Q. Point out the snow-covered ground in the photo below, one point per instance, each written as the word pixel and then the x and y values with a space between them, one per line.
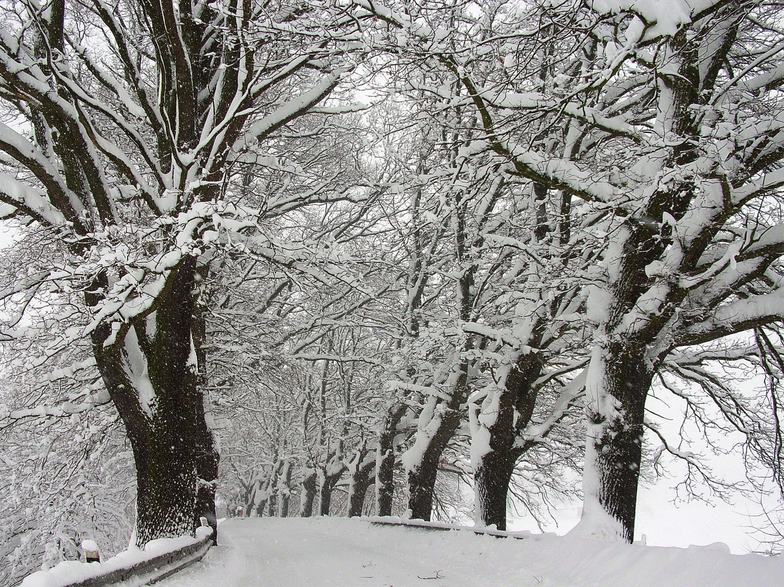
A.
pixel 292 552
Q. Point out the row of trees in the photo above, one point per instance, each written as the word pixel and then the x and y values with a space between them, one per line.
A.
pixel 370 242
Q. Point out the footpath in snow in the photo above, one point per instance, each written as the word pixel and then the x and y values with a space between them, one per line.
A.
pixel 313 552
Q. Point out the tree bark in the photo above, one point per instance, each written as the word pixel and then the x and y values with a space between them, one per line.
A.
pixel 250 497
pixel 207 456
pixel 285 490
pixel 422 476
pixel 325 493
pixel 385 460
pixel 309 494
pixel 150 371
pixel 207 470
pixel 357 489
pixel 614 443
pixel 491 481
pixel 325 499
pixel 260 507
pixel 511 412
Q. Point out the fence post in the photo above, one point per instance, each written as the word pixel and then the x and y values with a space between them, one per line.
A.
pixel 90 549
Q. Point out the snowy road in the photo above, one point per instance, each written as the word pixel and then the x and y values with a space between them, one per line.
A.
pixel 293 552
pixel 332 552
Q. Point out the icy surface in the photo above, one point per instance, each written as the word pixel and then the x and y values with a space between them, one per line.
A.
pixel 335 552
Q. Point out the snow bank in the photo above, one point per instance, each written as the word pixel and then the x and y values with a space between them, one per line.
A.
pixel 68 572
pixel 352 552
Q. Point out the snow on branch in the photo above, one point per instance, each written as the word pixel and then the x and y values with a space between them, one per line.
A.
pixel 29 200
pixel 733 317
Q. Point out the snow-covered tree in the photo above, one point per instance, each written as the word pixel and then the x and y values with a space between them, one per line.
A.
pixel 125 124
pixel 640 120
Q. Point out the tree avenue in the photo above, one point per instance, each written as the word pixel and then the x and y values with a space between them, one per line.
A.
pixel 356 257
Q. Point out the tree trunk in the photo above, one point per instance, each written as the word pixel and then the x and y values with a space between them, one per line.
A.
pixel 614 444
pixel 422 475
pixel 357 489
pixel 166 490
pixel 357 498
pixel 325 495
pixel 285 490
pixel 505 411
pixel 150 370
pixel 309 494
pixel 260 507
pixel 207 470
pixel 491 483
pixel 206 452
pixel 250 499
pixel 385 460
pixel 272 504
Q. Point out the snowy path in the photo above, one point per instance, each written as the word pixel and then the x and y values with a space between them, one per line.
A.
pixel 292 552
pixel 332 552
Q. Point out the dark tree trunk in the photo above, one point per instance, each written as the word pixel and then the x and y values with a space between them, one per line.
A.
pixel 151 375
pixel 166 490
pixel 328 483
pixel 617 452
pixel 422 478
pixel 308 494
pixel 357 498
pixel 207 470
pixel 385 460
pixel 206 452
pixel 325 499
pixel 325 493
pixel 250 500
pixel 285 490
pixel 260 507
pixel 358 486
pixel 492 486
pixel 514 409
pixel 272 504
pixel 285 501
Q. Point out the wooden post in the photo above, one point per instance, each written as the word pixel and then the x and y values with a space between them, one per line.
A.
pixel 90 549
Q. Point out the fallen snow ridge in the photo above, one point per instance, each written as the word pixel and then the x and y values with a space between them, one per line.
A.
pixel 293 552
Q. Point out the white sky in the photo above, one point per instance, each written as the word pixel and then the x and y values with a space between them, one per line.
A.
pixel 666 524
pixel 6 234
